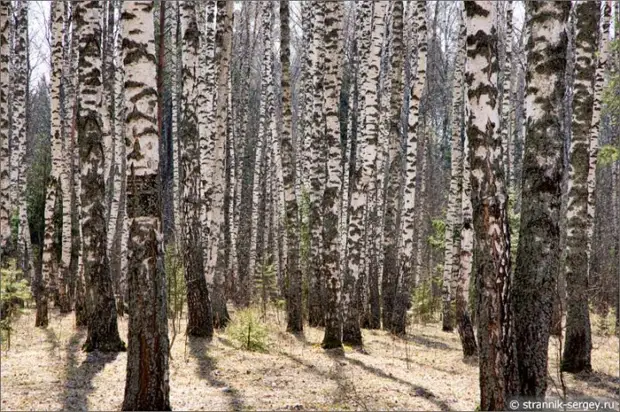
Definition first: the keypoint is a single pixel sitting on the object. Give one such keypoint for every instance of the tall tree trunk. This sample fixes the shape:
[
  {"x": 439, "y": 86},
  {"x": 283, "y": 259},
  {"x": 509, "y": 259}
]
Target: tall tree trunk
[
  {"x": 81, "y": 310},
  {"x": 407, "y": 232},
  {"x": 292, "y": 270},
  {"x": 392, "y": 194},
  {"x": 374, "y": 220},
  {"x": 455, "y": 203},
  {"x": 265, "y": 109},
  {"x": 18, "y": 161},
  {"x": 331, "y": 252},
  {"x": 215, "y": 195},
  {"x": 5, "y": 81},
  {"x": 101, "y": 308},
  {"x": 505, "y": 108},
  {"x": 538, "y": 254},
  {"x": 489, "y": 200},
  {"x": 49, "y": 284},
  {"x": 463, "y": 320},
  {"x": 316, "y": 172},
  {"x": 67, "y": 110},
  {"x": 369, "y": 58},
  {"x": 172, "y": 20},
  {"x": 146, "y": 385},
  {"x": 578, "y": 347},
  {"x": 200, "y": 319}
]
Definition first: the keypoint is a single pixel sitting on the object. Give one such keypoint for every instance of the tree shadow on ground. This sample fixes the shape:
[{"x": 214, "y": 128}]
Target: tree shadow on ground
[
  {"x": 78, "y": 379},
  {"x": 607, "y": 383},
  {"x": 417, "y": 390},
  {"x": 429, "y": 343},
  {"x": 345, "y": 391},
  {"x": 206, "y": 370}
]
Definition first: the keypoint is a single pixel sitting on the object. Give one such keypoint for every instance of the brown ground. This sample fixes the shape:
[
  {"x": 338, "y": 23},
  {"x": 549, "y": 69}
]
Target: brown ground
[{"x": 46, "y": 370}]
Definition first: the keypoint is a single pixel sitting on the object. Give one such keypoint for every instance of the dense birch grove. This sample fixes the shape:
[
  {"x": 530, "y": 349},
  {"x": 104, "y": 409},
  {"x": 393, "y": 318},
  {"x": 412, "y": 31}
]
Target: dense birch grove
[{"x": 351, "y": 166}]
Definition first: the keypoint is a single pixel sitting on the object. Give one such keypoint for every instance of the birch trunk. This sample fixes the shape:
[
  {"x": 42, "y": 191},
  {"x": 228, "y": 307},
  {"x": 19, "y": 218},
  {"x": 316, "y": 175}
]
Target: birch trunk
[
  {"x": 578, "y": 347},
  {"x": 392, "y": 194},
  {"x": 200, "y": 320},
  {"x": 264, "y": 113},
  {"x": 19, "y": 139},
  {"x": 292, "y": 272},
  {"x": 489, "y": 200},
  {"x": 147, "y": 383},
  {"x": 49, "y": 260},
  {"x": 215, "y": 194},
  {"x": 5, "y": 81},
  {"x": 406, "y": 276},
  {"x": 369, "y": 62},
  {"x": 331, "y": 252},
  {"x": 316, "y": 172},
  {"x": 538, "y": 254},
  {"x": 101, "y": 308},
  {"x": 67, "y": 110}
]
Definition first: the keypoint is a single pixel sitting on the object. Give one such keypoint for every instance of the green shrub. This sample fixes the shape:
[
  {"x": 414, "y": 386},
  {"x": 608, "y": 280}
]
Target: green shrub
[
  {"x": 175, "y": 281},
  {"x": 248, "y": 331},
  {"x": 425, "y": 304},
  {"x": 14, "y": 292}
]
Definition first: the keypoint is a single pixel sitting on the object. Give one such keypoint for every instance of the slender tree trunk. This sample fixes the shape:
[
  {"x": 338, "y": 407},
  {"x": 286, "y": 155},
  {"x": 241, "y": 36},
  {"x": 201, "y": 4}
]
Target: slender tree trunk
[
  {"x": 361, "y": 179},
  {"x": 20, "y": 80},
  {"x": 200, "y": 320},
  {"x": 489, "y": 200},
  {"x": 64, "y": 272},
  {"x": 455, "y": 203},
  {"x": 5, "y": 81},
  {"x": 266, "y": 100},
  {"x": 292, "y": 269},
  {"x": 408, "y": 227},
  {"x": 506, "y": 93},
  {"x": 331, "y": 253},
  {"x": 102, "y": 327},
  {"x": 463, "y": 320},
  {"x": 392, "y": 194},
  {"x": 50, "y": 262},
  {"x": 582, "y": 171},
  {"x": 215, "y": 195},
  {"x": 146, "y": 386},
  {"x": 81, "y": 310},
  {"x": 316, "y": 172},
  {"x": 538, "y": 254}
]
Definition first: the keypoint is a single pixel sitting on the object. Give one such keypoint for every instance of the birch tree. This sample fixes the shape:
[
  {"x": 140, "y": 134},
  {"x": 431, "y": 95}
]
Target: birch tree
[
  {"x": 215, "y": 194},
  {"x": 331, "y": 256},
  {"x": 407, "y": 232},
  {"x": 18, "y": 156},
  {"x": 370, "y": 56},
  {"x": 578, "y": 347},
  {"x": 538, "y": 252},
  {"x": 266, "y": 99},
  {"x": 316, "y": 172},
  {"x": 292, "y": 270},
  {"x": 102, "y": 326},
  {"x": 5, "y": 213},
  {"x": 200, "y": 320},
  {"x": 49, "y": 260},
  {"x": 392, "y": 194},
  {"x": 489, "y": 200},
  {"x": 147, "y": 382}
]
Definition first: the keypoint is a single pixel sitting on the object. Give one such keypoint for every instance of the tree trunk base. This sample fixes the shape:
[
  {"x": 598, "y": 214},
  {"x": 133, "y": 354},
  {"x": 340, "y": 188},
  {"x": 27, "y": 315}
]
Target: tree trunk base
[
  {"x": 352, "y": 336},
  {"x": 219, "y": 309},
  {"x": 468, "y": 339},
  {"x": 577, "y": 356},
  {"x": 42, "y": 319}
]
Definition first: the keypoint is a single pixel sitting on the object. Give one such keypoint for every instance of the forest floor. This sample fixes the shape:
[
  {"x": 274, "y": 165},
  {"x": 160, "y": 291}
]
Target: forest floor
[{"x": 46, "y": 370}]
